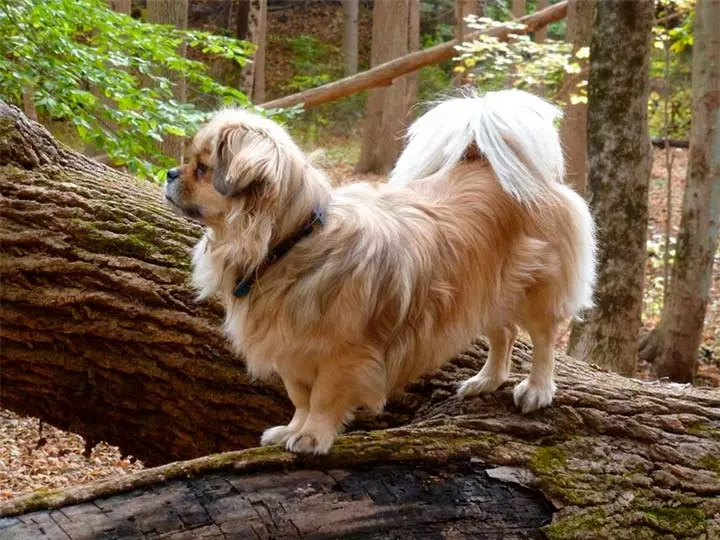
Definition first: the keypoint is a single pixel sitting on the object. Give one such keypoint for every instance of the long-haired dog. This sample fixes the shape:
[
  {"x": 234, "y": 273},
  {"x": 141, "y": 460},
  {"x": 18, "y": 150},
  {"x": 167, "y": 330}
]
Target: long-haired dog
[{"x": 350, "y": 293}]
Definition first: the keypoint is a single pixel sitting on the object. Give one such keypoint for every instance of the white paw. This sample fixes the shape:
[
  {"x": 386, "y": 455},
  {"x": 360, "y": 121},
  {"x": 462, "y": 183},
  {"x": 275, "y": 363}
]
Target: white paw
[
  {"x": 310, "y": 443},
  {"x": 531, "y": 398},
  {"x": 480, "y": 384},
  {"x": 275, "y": 435}
]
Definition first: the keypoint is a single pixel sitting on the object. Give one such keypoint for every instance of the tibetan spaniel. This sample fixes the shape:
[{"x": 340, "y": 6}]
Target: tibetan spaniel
[{"x": 349, "y": 293}]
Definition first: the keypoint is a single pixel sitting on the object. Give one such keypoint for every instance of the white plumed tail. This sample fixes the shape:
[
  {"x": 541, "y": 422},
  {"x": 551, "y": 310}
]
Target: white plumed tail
[{"x": 513, "y": 129}]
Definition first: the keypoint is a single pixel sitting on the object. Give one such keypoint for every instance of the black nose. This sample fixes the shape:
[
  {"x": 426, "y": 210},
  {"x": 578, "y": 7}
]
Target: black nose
[{"x": 173, "y": 174}]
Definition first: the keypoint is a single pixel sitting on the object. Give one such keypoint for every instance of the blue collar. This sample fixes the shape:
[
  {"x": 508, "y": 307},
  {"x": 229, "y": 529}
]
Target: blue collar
[{"x": 243, "y": 286}]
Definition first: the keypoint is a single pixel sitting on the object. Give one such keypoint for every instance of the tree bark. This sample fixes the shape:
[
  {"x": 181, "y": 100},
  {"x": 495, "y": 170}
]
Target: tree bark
[
  {"x": 387, "y": 108},
  {"x": 121, "y": 6},
  {"x": 620, "y": 161},
  {"x": 674, "y": 345},
  {"x": 384, "y": 74},
  {"x": 519, "y": 9},
  {"x": 174, "y": 13},
  {"x": 574, "y": 128},
  {"x": 101, "y": 334},
  {"x": 541, "y": 34},
  {"x": 351, "y": 10}
]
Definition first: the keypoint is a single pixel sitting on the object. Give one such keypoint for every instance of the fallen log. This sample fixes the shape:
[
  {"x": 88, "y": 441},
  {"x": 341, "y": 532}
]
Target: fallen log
[
  {"x": 612, "y": 458},
  {"x": 101, "y": 336},
  {"x": 384, "y": 74}
]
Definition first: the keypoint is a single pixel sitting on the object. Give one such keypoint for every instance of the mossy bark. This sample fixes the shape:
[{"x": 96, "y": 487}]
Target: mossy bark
[
  {"x": 105, "y": 340},
  {"x": 619, "y": 173}
]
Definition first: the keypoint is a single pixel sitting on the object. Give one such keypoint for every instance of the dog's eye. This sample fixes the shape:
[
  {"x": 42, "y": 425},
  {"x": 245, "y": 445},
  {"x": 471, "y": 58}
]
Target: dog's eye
[{"x": 200, "y": 169}]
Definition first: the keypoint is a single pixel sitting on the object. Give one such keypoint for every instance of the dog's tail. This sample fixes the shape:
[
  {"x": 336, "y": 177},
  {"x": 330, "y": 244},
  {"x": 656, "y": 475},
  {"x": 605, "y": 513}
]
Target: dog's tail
[{"x": 512, "y": 129}]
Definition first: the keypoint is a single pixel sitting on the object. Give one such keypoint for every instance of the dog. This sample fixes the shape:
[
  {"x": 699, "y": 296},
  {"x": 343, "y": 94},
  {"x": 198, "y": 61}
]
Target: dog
[{"x": 350, "y": 293}]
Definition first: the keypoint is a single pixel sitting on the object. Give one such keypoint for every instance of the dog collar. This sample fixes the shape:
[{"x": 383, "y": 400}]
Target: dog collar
[{"x": 243, "y": 286}]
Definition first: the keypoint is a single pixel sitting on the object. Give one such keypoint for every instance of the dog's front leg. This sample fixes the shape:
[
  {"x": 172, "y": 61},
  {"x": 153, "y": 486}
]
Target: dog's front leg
[
  {"x": 299, "y": 394},
  {"x": 330, "y": 401}
]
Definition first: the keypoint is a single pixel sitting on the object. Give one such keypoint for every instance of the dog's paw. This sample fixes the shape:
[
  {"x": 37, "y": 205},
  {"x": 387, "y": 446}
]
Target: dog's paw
[
  {"x": 480, "y": 384},
  {"x": 276, "y": 435},
  {"x": 310, "y": 443},
  {"x": 530, "y": 398}
]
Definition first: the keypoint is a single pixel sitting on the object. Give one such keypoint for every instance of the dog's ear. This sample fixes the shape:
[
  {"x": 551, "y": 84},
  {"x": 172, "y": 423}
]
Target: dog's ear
[{"x": 245, "y": 157}]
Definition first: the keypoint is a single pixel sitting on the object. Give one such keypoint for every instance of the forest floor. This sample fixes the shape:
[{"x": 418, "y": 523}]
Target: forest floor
[{"x": 34, "y": 456}]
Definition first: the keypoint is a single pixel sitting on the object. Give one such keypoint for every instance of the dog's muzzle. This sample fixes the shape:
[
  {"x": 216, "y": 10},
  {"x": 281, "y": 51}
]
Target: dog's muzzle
[
  {"x": 172, "y": 194},
  {"x": 172, "y": 184}
]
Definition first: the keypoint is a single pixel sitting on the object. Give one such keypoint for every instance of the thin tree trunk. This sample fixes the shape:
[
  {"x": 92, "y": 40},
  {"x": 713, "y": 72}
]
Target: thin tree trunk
[
  {"x": 242, "y": 19},
  {"x": 620, "y": 161},
  {"x": 121, "y": 6},
  {"x": 174, "y": 13},
  {"x": 541, "y": 34},
  {"x": 253, "y": 78},
  {"x": 519, "y": 9},
  {"x": 673, "y": 347},
  {"x": 574, "y": 128},
  {"x": 387, "y": 108},
  {"x": 29, "y": 103},
  {"x": 413, "y": 46},
  {"x": 463, "y": 8},
  {"x": 351, "y": 10}
]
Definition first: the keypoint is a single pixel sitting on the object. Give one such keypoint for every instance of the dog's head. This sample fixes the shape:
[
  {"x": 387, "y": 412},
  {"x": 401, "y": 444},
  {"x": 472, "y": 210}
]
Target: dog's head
[
  {"x": 239, "y": 162},
  {"x": 249, "y": 183}
]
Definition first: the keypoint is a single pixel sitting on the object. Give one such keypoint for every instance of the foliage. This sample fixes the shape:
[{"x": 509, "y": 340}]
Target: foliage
[
  {"x": 492, "y": 64},
  {"x": 108, "y": 74},
  {"x": 671, "y": 69},
  {"x": 310, "y": 62}
]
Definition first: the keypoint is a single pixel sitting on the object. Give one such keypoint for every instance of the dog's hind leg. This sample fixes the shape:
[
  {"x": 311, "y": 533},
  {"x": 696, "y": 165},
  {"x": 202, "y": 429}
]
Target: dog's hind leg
[
  {"x": 497, "y": 368},
  {"x": 300, "y": 396},
  {"x": 538, "y": 389}
]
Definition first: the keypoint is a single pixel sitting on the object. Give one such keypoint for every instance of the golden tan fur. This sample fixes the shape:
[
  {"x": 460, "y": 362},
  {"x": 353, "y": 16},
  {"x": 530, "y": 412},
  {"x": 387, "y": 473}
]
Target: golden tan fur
[{"x": 397, "y": 282}]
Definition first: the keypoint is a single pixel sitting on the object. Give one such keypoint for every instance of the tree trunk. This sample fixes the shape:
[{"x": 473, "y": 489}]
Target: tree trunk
[
  {"x": 620, "y": 161},
  {"x": 253, "y": 78},
  {"x": 121, "y": 6},
  {"x": 574, "y": 128},
  {"x": 387, "y": 108},
  {"x": 413, "y": 46},
  {"x": 242, "y": 19},
  {"x": 174, "y": 13},
  {"x": 463, "y": 8},
  {"x": 350, "y": 35},
  {"x": 541, "y": 34},
  {"x": 101, "y": 334},
  {"x": 674, "y": 346},
  {"x": 519, "y": 9}
]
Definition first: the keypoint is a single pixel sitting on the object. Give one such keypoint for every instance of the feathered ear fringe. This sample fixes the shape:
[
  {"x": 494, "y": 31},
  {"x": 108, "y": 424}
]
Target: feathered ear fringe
[{"x": 245, "y": 157}]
